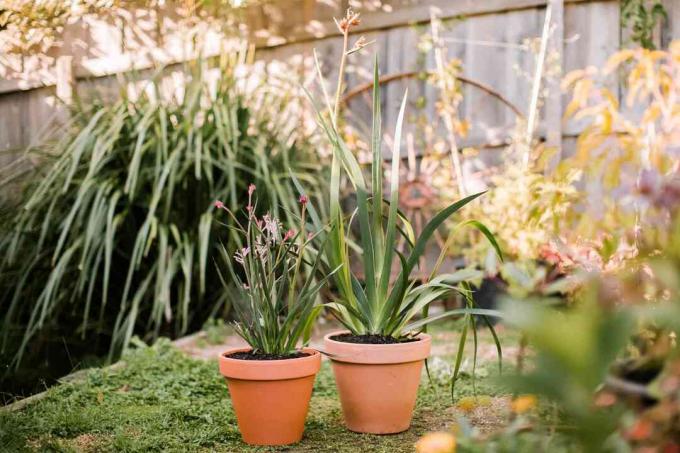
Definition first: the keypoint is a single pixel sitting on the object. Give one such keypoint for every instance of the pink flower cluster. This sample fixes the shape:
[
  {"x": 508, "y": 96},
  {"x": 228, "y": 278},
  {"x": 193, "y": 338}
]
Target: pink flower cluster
[{"x": 268, "y": 226}]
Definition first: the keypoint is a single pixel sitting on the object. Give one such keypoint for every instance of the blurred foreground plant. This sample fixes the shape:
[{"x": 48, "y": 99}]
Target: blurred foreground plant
[{"x": 611, "y": 363}]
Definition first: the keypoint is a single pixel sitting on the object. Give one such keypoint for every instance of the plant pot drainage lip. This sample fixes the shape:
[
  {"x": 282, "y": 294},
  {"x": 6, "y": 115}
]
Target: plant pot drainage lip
[
  {"x": 377, "y": 354},
  {"x": 269, "y": 370}
]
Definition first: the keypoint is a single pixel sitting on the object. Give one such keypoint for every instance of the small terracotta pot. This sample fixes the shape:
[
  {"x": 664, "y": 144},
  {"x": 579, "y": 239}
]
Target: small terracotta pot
[
  {"x": 271, "y": 397},
  {"x": 378, "y": 383}
]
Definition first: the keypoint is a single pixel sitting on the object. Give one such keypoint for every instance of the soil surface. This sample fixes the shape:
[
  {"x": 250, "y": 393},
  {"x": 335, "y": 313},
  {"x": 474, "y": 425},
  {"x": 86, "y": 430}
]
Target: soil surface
[
  {"x": 250, "y": 355},
  {"x": 371, "y": 339}
]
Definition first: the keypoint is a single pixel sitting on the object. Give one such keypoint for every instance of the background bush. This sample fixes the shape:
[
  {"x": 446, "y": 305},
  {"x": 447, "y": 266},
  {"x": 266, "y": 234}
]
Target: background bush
[{"x": 114, "y": 234}]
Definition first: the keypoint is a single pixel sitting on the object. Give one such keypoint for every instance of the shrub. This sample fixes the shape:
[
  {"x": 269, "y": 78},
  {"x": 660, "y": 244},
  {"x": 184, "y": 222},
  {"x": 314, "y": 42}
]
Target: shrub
[{"x": 114, "y": 233}]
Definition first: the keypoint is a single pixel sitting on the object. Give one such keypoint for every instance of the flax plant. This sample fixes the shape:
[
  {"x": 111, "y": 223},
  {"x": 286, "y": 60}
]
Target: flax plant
[
  {"x": 275, "y": 308},
  {"x": 377, "y": 306},
  {"x": 381, "y": 305}
]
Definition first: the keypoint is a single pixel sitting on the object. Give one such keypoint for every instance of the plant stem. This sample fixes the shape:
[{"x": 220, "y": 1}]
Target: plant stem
[
  {"x": 341, "y": 73},
  {"x": 301, "y": 251},
  {"x": 521, "y": 353}
]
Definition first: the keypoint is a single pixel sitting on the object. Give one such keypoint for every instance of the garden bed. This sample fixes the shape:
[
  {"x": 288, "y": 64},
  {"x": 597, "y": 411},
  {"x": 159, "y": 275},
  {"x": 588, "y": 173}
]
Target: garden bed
[{"x": 166, "y": 398}]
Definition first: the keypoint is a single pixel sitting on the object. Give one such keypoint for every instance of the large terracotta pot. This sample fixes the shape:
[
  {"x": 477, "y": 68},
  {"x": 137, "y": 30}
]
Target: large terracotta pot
[
  {"x": 271, "y": 397},
  {"x": 378, "y": 383}
]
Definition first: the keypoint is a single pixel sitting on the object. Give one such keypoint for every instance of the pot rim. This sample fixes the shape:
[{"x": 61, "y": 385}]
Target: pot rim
[
  {"x": 269, "y": 370},
  {"x": 377, "y": 354}
]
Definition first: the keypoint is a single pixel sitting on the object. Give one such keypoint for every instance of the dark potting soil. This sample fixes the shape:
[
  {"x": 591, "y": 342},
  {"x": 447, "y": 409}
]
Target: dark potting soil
[
  {"x": 371, "y": 339},
  {"x": 250, "y": 355}
]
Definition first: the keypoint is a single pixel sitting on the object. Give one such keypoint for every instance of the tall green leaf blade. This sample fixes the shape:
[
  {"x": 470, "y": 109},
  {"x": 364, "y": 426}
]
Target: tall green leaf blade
[{"x": 394, "y": 203}]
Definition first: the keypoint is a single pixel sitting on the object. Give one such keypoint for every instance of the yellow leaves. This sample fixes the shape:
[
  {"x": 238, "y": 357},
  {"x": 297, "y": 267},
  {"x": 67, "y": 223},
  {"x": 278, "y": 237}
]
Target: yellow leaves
[
  {"x": 523, "y": 404},
  {"x": 617, "y": 59},
  {"x": 588, "y": 146},
  {"x": 593, "y": 110},
  {"x": 612, "y": 174},
  {"x": 437, "y": 442},
  {"x": 461, "y": 127},
  {"x": 572, "y": 77},
  {"x": 634, "y": 83},
  {"x": 655, "y": 55},
  {"x": 606, "y": 121},
  {"x": 651, "y": 114},
  {"x": 613, "y": 141},
  {"x": 545, "y": 156},
  {"x": 581, "y": 94},
  {"x": 610, "y": 97},
  {"x": 666, "y": 84},
  {"x": 469, "y": 403}
]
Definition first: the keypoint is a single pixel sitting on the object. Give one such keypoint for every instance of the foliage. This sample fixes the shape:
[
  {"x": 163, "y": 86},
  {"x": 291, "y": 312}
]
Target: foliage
[
  {"x": 624, "y": 353},
  {"x": 587, "y": 210},
  {"x": 642, "y": 17},
  {"x": 580, "y": 364},
  {"x": 275, "y": 307},
  {"x": 539, "y": 204},
  {"x": 530, "y": 200},
  {"x": 625, "y": 149},
  {"x": 620, "y": 372},
  {"x": 30, "y": 25},
  {"x": 114, "y": 234},
  {"x": 608, "y": 362},
  {"x": 376, "y": 307}
]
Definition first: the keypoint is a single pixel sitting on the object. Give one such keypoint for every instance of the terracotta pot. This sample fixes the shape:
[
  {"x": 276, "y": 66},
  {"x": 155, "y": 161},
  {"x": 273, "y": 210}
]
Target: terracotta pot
[
  {"x": 378, "y": 383},
  {"x": 271, "y": 397}
]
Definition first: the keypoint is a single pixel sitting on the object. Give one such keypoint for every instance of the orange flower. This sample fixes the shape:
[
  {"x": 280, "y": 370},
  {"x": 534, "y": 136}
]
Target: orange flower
[
  {"x": 523, "y": 403},
  {"x": 439, "y": 442},
  {"x": 641, "y": 430}
]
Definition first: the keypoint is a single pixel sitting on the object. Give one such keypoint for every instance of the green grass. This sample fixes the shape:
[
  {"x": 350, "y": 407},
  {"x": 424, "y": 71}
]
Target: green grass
[{"x": 164, "y": 401}]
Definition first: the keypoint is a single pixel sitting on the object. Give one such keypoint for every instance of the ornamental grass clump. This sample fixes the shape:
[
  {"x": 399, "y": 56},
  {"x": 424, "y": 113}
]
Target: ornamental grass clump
[
  {"x": 113, "y": 235},
  {"x": 274, "y": 280}
]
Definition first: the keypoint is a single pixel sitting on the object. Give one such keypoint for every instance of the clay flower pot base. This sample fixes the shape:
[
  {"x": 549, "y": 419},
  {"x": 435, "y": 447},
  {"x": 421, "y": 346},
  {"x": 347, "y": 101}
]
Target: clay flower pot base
[
  {"x": 271, "y": 397},
  {"x": 378, "y": 383}
]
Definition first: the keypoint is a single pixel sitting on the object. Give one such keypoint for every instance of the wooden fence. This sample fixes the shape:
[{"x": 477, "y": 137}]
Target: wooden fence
[{"x": 491, "y": 38}]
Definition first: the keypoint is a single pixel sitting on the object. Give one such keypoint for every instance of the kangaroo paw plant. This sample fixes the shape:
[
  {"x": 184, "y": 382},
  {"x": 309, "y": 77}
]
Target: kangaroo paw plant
[
  {"x": 271, "y": 381},
  {"x": 377, "y": 361}
]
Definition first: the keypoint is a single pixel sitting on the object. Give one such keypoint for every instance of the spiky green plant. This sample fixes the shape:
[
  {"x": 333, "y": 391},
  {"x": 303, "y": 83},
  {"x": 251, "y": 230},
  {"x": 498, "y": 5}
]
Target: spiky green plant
[
  {"x": 377, "y": 306},
  {"x": 276, "y": 307},
  {"x": 115, "y": 235}
]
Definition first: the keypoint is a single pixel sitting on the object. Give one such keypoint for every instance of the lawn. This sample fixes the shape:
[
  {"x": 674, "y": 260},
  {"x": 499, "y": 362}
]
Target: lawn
[{"x": 163, "y": 400}]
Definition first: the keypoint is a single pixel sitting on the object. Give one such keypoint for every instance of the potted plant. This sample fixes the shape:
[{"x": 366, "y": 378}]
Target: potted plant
[
  {"x": 271, "y": 381},
  {"x": 377, "y": 360}
]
